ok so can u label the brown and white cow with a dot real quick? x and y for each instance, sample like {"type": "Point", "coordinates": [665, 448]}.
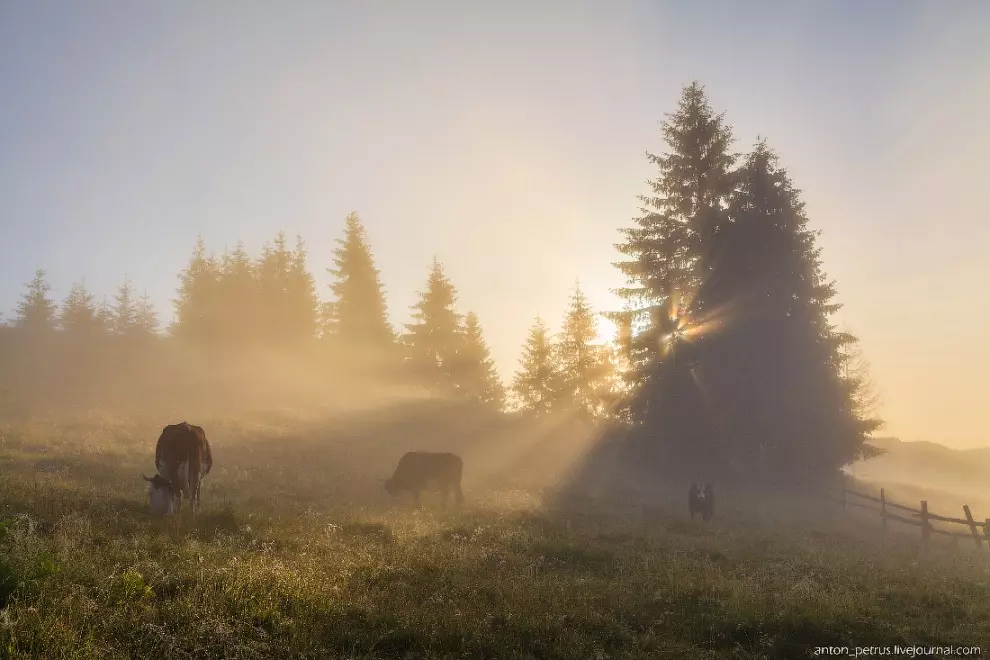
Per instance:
{"type": "Point", "coordinates": [183, 458]}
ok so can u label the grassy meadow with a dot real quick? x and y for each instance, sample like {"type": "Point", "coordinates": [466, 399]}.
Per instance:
{"type": "Point", "coordinates": [298, 553]}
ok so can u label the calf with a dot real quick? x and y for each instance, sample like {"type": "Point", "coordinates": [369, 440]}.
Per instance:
{"type": "Point", "coordinates": [183, 458]}
{"type": "Point", "coordinates": [417, 470]}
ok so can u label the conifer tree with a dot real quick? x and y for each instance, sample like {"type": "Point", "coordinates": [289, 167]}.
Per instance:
{"type": "Point", "coordinates": [668, 255]}
{"type": "Point", "coordinates": [302, 304]}
{"type": "Point", "coordinates": [273, 275]}
{"type": "Point", "coordinates": [476, 377]}
{"type": "Point", "coordinates": [434, 339]}
{"type": "Point", "coordinates": [537, 383]}
{"type": "Point", "coordinates": [197, 304]}
{"type": "Point", "coordinates": [145, 317]}
{"type": "Point", "coordinates": [358, 315]}
{"type": "Point", "coordinates": [79, 316]}
{"type": "Point", "coordinates": [773, 369]}
{"type": "Point", "coordinates": [36, 312]}
{"type": "Point", "coordinates": [238, 296]}
{"type": "Point", "coordinates": [583, 364]}
{"type": "Point", "coordinates": [124, 309]}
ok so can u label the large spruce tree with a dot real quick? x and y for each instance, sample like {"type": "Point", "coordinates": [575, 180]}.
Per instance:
{"type": "Point", "coordinates": [772, 366]}
{"type": "Point", "coordinates": [435, 338]}
{"type": "Point", "coordinates": [668, 255]}
{"type": "Point", "coordinates": [358, 315]}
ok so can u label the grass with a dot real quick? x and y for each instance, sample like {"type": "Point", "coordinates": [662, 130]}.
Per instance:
{"type": "Point", "coordinates": [298, 554]}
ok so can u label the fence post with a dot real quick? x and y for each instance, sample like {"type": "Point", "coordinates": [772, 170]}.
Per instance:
{"type": "Point", "coordinates": [925, 528]}
{"type": "Point", "coordinates": [883, 509]}
{"type": "Point", "coordinates": [972, 526]}
{"type": "Point", "coordinates": [845, 500]}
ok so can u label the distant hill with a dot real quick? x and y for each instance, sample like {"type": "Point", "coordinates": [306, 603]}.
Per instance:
{"type": "Point", "coordinates": [965, 472]}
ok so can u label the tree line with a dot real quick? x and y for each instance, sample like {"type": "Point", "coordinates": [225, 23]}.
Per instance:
{"type": "Point", "coordinates": [727, 361]}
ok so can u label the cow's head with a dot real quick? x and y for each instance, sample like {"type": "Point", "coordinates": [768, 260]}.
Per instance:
{"type": "Point", "coordinates": [161, 495]}
{"type": "Point", "coordinates": [390, 487]}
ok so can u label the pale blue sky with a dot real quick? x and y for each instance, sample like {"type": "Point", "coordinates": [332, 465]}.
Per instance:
{"type": "Point", "coordinates": [508, 140]}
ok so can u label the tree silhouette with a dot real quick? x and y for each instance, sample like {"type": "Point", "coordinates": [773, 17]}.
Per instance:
{"type": "Point", "coordinates": [584, 365]}
{"type": "Point", "coordinates": [238, 297]}
{"type": "Point", "coordinates": [434, 338]}
{"type": "Point", "coordinates": [196, 304]}
{"type": "Point", "coordinates": [538, 381]}
{"type": "Point", "coordinates": [36, 312]}
{"type": "Point", "coordinates": [772, 368]}
{"type": "Point", "coordinates": [476, 377]}
{"type": "Point", "coordinates": [80, 317]}
{"type": "Point", "coordinates": [668, 256]}
{"type": "Point", "coordinates": [145, 317]}
{"type": "Point", "coordinates": [124, 313]}
{"type": "Point", "coordinates": [358, 315]}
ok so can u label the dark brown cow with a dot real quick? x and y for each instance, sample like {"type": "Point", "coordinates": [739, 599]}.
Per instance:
{"type": "Point", "coordinates": [183, 458]}
{"type": "Point", "coordinates": [419, 470]}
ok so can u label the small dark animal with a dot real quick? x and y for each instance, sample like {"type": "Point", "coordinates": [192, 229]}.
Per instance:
{"type": "Point", "coordinates": [696, 502]}
{"type": "Point", "coordinates": [183, 458]}
{"type": "Point", "coordinates": [418, 470]}
{"type": "Point", "coordinates": [709, 502]}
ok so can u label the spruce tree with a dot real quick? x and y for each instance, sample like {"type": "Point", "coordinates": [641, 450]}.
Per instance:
{"type": "Point", "coordinates": [538, 382]}
{"type": "Point", "coordinates": [36, 312]}
{"type": "Point", "coordinates": [302, 304]}
{"type": "Point", "coordinates": [668, 255]}
{"type": "Point", "coordinates": [583, 363]}
{"type": "Point", "coordinates": [145, 317]}
{"type": "Point", "coordinates": [238, 294]}
{"type": "Point", "coordinates": [476, 377]}
{"type": "Point", "coordinates": [79, 316]}
{"type": "Point", "coordinates": [772, 368]}
{"type": "Point", "coordinates": [124, 310]}
{"type": "Point", "coordinates": [273, 270]}
{"type": "Point", "coordinates": [434, 339]}
{"type": "Point", "coordinates": [358, 315]}
{"type": "Point", "coordinates": [196, 307]}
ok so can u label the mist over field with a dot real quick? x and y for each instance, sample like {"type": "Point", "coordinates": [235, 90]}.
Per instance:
{"type": "Point", "coordinates": [334, 331]}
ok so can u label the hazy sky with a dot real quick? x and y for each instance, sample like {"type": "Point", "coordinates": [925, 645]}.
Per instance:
{"type": "Point", "coordinates": [507, 140]}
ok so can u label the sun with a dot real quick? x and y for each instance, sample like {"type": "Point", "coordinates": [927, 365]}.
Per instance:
{"type": "Point", "coordinates": [607, 331]}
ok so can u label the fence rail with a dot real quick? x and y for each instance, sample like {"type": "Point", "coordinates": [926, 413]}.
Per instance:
{"type": "Point", "coordinates": [920, 517]}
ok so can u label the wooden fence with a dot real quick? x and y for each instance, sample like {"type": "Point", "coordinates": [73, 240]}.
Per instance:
{"type": "Point", "coordinates": [919, 517]}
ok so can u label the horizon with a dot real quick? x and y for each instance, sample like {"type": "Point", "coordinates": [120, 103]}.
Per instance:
{"type": "Point", "coordinates": [128, 131]}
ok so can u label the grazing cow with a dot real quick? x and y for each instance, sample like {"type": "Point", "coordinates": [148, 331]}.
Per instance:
{"type": "Point", "coordinates": [183, 458]}
{"type": "Point", "coordinates": [417, 470]}
{"type": "Point", "coordinates": [696, 502]}
{"type": "Point", "coordinates": [709, 502]}
{"type": "Point", "coordinates": [161, 495]}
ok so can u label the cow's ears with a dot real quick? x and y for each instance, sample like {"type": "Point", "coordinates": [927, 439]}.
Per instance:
{"type": "Point", "coordinates": [145, 478]}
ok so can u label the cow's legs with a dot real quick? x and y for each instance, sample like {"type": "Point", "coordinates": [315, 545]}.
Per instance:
{"type": "Point", "coordinates": [415, 497]}
{"type": "Point", "coordinates": [458, 494]}
{"type": "Point", "coordinates": [443, 497]}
